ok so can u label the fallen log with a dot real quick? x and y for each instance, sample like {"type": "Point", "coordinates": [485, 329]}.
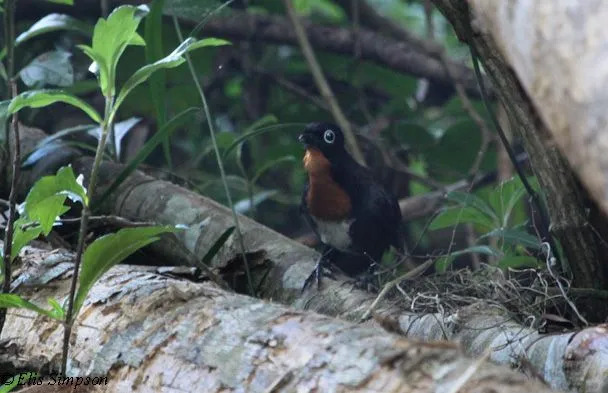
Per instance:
{"type": "Point", "coordinates": [287, 263]}
{"type": "Point", "coordinates": [147, 332]}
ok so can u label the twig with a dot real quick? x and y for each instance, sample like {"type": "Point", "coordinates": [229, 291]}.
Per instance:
{"type": "Point", "coordinates": [550, 260]}
{"type": "Point", "coordinates": [9, 35]}
{"type": "Point", "coordinates": [322, 84]}
{"type": "Point", "coordinates": [389, 285]}
{"type": "Point", "coordinates": [218, 157]}
{"type": "Point", "coordinates": [84, 222]}
{"type": "Point", "coordinates": [108, 220]}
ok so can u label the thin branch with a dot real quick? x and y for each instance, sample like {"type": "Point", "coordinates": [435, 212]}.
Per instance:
{"type": "Point", "coordinates": [9, 25]}
{"type": "Point", "coordinates": [322, 84]}
{"type": "Point", "coordinates": [218, 157]}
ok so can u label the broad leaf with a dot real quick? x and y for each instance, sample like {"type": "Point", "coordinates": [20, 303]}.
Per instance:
{"type": "Point", "coordinates": [24, 232]}
{"type": "Point", "coordinates": [50, 68]}
{"type": "Point", "coordinates": [158, 81]}
{"type": "Point", "coordinates": [54, 22]}
{"type": "Point", "coordinates": [470, 199]}
{"type": "Point", "coordinates": [460, 215]}
{"type": "Point", "coordinates": [64, 183]}
{"type": "Point", "coordinates": [41, 98]}
{"type": "Point", "coordinates": [109, 250]}
{"type": "Point", "coordinates": [45, 200]}
{"type": "Point", "coordinates": [8, 300]}
{"type": "Point", "coordinates": [172, 60]}
{"type": "Point", "coordinates": [110, 38]}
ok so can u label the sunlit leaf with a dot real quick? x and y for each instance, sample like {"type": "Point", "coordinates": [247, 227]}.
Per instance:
{"type": "Point", "coordinates": [107, 251]}
{"type": "Point", "coordinates": [111, 36]}
{"type": "Point", "coordinates": [41, 98]}
{"type": "Point", "coordinates": [50, 68]}
{"type": "Point", "coordinates": [172, 60]}
{"type": "Point", "coordinates": [24, 231]}
{"type": "Point", "coordinates": [9, 300]}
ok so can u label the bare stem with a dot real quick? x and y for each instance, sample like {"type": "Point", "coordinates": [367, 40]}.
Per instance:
{"type": "Point", "coordinates": [9, 34]}
{"type": "Point", "coordinates": [218, 157]}
{"type": "Point", "coordinates": [322, 84]}
{"type": "Point", "coordinates": [84, 221]}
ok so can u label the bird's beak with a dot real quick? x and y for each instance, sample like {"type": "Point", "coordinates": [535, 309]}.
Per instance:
{"type": "Point", "coordinates": [302, 138]}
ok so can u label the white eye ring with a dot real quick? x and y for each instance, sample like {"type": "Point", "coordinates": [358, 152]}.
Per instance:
{"type": "Point", "coordinates": [329, 136]}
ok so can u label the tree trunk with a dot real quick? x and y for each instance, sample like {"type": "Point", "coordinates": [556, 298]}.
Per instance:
{"type": "Point", "coordinates": [567, 202]}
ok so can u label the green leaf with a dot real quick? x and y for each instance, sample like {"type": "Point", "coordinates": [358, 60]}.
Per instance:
{"type": "Point", "coordinates": [63, 183]}
{"type": "Point", "coordinates": [470, 199]}
{"type": "Point", "coordinates": [54, 22]}
{"type": "Point", "coordinates": [65, 2]}
{"type": "Point", "coordinates": [8, 300]}
{"type": "Point", "coordinates": [3, 118]}
{"type": "Point", "coordinates": [459, 215]}
{"type": "Point", "coordinates": [50, 68]}
{"type": "Point", "coordinates": [24, 232]}
{"type": "Point", "coordinates": [45, 200]}
{"type": "Point", "coordinates": [147, 149]}
{"type": "Point", "coordinates": [213, 250]}
{"type": "Point", "coordinates": [505, 197]}
{"type": "Point", "coordinates": [516, 262]}
{"type": "Point", "coordinates": [515, 237]}
{"type": "Point", "coordinates": [110, 38]}
{"type": "Point", "coordinates": [158, 81]}
{"type": "Point", "coordinates": [109, 250]}
{"type": "Point", "coordinates": [172, 60]}
{"type": "Point", "coordinates": [57, 309]}
{"type": "Point", "coordinates": [41, 98]}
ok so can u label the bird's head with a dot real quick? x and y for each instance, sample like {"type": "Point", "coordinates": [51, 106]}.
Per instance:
{"type": "Point", "coordinates": [327, 138]}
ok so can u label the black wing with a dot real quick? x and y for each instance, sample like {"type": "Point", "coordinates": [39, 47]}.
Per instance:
{"type": "Point", "coordinates": [378, 222]}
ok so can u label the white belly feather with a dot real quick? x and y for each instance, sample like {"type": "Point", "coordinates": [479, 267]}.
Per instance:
{"type": "Point", "coordinates": [335, 233]}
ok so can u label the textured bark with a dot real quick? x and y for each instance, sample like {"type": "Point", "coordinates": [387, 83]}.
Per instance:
{"type": "Point", "coordinates": [287, 264]}
{"type": "Point", "coordinates": [150, 333]}
{"type": "Point", "coordinates": [567, 203]}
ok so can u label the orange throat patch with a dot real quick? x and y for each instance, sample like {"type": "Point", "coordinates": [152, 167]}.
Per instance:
{"type": "Point", "coordinates": [325, 199]}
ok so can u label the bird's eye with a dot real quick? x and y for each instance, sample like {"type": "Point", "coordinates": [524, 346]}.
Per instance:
{"type": "Point", "coordinates": [329, 136]}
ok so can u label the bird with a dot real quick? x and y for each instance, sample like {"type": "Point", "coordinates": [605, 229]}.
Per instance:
{"type": "Point", "coordinates": [354, 216]}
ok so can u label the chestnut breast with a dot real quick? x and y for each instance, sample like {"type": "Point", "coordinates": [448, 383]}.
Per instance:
{"type": "Point", "coordinates": [325, 199]}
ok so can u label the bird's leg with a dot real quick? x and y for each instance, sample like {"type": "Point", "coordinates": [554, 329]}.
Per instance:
{"type": "Point", "coordinates": [318, 271]}
{"type": "Point", "coordinates": [365, 280]}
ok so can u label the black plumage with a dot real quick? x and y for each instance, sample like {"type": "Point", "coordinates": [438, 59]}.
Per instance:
{"type": "Point", "coordinates": [353, 215]}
